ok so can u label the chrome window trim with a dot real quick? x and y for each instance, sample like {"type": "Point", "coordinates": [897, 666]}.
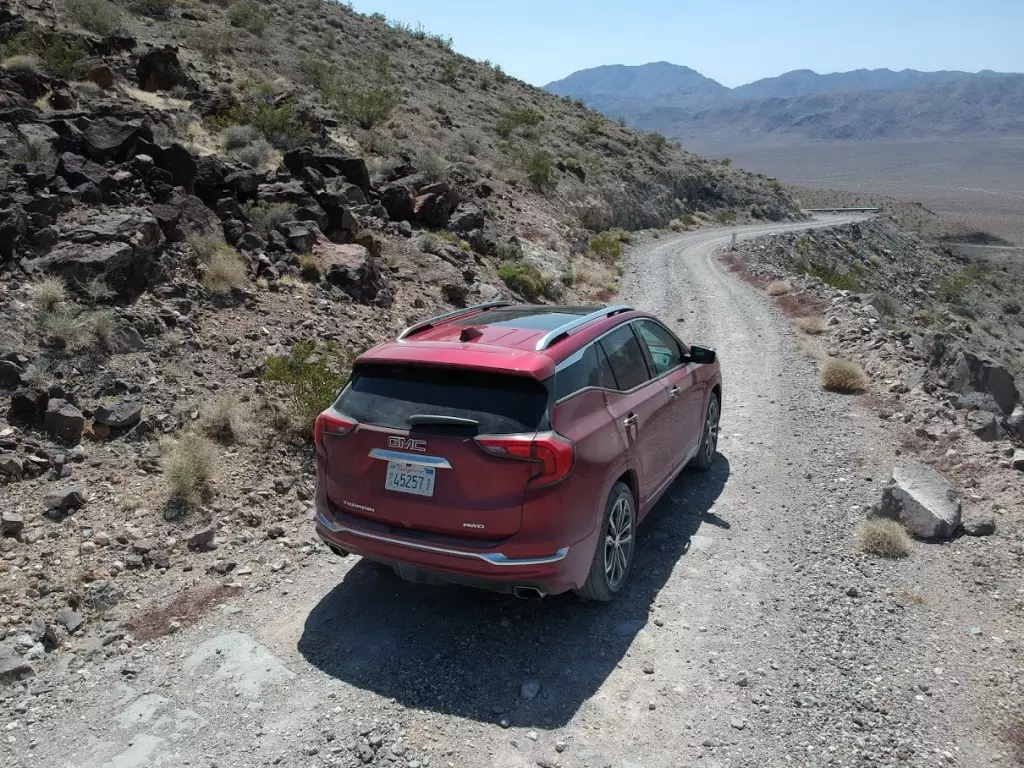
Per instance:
{"type": "Point", "coordinates": [410, 458]}
{"type": "Point", "coordinates": [494, 558]}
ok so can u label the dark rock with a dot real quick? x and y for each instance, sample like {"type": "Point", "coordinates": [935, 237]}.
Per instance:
{"type": "Point", "coordinates": [11, 523]}
{"type": "Point", "coordinates": [102, 595]}
{"type": "Point", "coordinates": [13, 666]}
{"type": "Point", "coordinates": [222, 567]}
{"type": "Point", "coordinates": [328, 164]}
{"type": "Point", "coordinates": [310, 210]}
{"type": "Point", "coordinates": [125, 338]}
{"type": "Point", "coordinates": [353, 269]}
{"type": "Point", "coordinates": [455, 294]}
{"type": "Point", "coordinates": [121, 415]}
{"type": "Point", "coordinates": [116, 41]}
{"type": "Point", "coordinates": [64, 421]}
{"type": "Point", "coordinates": [466, 218]}
{"type": "Point", "coordinates": [250, 241]}
{"type": "Point", "coordinates": [282, 192]}
{"type": "Point", "coordinates": [88, 193]}
{"type": "Point", "coordinates": [984, 425]}
{"type": "Point", "coordinates": [177, 161]}
{"type": "Point", "coordinates": [160, 70]}
{"type": "Point", "coordinates": [480, 243]}
{"type": "Point", "coordinates": [13, 225]}
{"type": "Point", "coordinates": [435, 204]}
{"type": "Point", "coordinates": [184, 215]}
{"type": "Point", "coordinates": [981, 526]}
{"type": "Point", "coordinates": [965, 371]}
{"type": "Point", "coordinates": [28, 405]}
{"type": "Point", "coordinates": [398, 201]}
{"type": "Point", "coordinates": [301, 235]}
{"type": "Point", "coordinates": [10, 374]}
{"type": "Point", "coordinates": [102, 75]}
{"type": "Point", "coordinates": [1015, 423]}
{"type": "Point", "coordinates": [244, 183]}
{"type": "Point", "coordinates": [108, 139]}
{"type": "Point", "coordinates": [64, 499]}
{"type": "Point", "coordinates": [202, 539]}
{"type": "Point", "coordinates": [313, 177]}
{"type": "Point", "coordinates": [77, 170]}
{"type": "Point", "coordinates": [275, 531]}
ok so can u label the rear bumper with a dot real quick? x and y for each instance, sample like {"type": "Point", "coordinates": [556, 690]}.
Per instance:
{"type": "Point", "coordinates": [556, 570]}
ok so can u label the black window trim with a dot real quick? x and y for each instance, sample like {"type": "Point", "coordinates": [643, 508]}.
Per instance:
{"type": "Point", "coordinates": [578, 355]}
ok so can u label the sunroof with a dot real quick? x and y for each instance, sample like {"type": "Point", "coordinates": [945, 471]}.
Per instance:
{"type": "Point", "coordinates": [537, 318]}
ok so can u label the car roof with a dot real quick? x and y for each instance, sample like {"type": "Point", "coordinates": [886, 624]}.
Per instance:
{"type": "Point", "coordinates": [500, 337]}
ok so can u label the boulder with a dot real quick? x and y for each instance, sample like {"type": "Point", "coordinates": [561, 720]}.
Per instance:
{"type": "Point", "coordinates": [119, 246]}
{"type": "Point", "coordinates": [435, 204]}
{"type": "Point", "coordinates": [11, 524]}
{"type": "Point", "coordinates": [923, 500]}
{"type": "Point", "coordinates": [28, 405]}
{"type": "Point", "coordinates": [351, 268]}
{"type": "Point", "coordinates": [108, 139]}
{"type": "Point", "coordinates": [398, 201]}
{"type": "Point", "coordinates": [10, 374]}
{"type": "Point", "coordinates": [455, 293]}
{"type": "Point", "coordinates": [102, 595]}
{"type": "Point", "coordinates": [11, 466]}
{"type": "Point", "coordinates": [466, 218]}
{"type": "Point", "coordinates": [102, 75]}
{"type": "Point", "coordinates": [125, 338]}
{"type": "Point", "coordinates": [1015, 423]}
{"type": "Point", "coordinates": [183, 215]}
{"type": "Point", "coordinates": [981, 526]}
{"type": "Point", "coordinates": [301, 235]}
{"type": "Point", "coordinates": [120, 415]}
{"type": "Point", "coordinates": [77, 170]}
{"type": "Point", "coordinates": [1017, 461]}
{"type": "Point", "coordinates": [160, 70]}
{"type": "Point", "coordinates": [64, 499]}
{"type": "Point", "coordinates": [984, 425]}
{"type": "Point", "coordinates": [64, 421]}
{"type": "Point", "coordinates": [178, 162]}
{"type": "Point", "coordinates": [965, 371]}
{"type": "Point", "coordinates": [329, 165]}
{"type": "Point", "coordinates": [282, 192]}
{"type": "Point", "coordinates": [13, 225]}
{"type": "Point", "coordinates": [13, 666]}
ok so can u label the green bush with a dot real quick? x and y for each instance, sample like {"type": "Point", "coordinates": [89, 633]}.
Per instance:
{"type": "Point", "coordinates": [538, 166]}
{"type": "Point", "coordinates": [953, 288]}
{"type": "Point", "coordinates": [156, 8]}
{"type": "Point", "coordinates": [254, 155]}
{"type": "Point", "coordinates": [525, 279]}
{"type": "Point", "coordinates": [688, 220]}
{"type": "Point", "coordinates": [430, 165]}
{"type": "Point", "coordinates": [655, 141]}
{"type": "Point", "coordinates": [238, 136]}
{"type": "Point", "coordinates": [518, 118]}
{"type": "Point", "coordinates": [309, 379]}
{"type": "Point", "coordinates": [606, 246]}
{"type": "Point", "coordinates": [266, 217]}
{"type": "Point", "coordinates": [368, 106]}
{"type": "Point", "coordinates": [99, 16]}
{"type": "Point", "coordinates": [248, 15]}
{"type": "Point", "coordinates": [835, 276]}
{"type": "Point", "coordinates": [508, 250]}
{"type": "Point", "coordinates": [725, 217]}
{"type": "Point", "coordinates": [277, 124]}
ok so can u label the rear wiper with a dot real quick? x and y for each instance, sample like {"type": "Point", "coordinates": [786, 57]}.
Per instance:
{"type": "Point", "coordinates": [429, 419]}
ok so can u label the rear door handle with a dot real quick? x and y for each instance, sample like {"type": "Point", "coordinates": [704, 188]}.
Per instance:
{"type": "Point", "coordinates": [673, 393]}
{"type": "Point", "coordinates": [630, 421]}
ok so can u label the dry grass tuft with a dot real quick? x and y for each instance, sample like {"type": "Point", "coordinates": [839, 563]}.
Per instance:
{"type": "Point", "coordinates": [812, 326]}
{"type": "Point", "coordinates": [883, 537]}
{"type": "Point", "coordinates": [225, 270]}
{"type": "Point", "coordinates": [189, 463]}
{"type": "Point", "coordinates": [47, 293]}
{"type": "Point", "coordinates": [311, 268]}
{"type": "Point", "coordinates": [779, 288]}
{"type": "Point", "coordinates": [843, 376]}
{"type": "Point", "coordinates": [62, 326]}
{"type": "Point", "coordinates": [224, 419]}
{"type": "Point", "coordinates": [102, 323]}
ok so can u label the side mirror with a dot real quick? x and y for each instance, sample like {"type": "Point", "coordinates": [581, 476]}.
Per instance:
{"type": "Point", "coordinates": [701, 355]}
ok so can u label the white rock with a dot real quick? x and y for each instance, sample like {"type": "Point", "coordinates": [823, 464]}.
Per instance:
{"type": "Point", "coordinates": [923, 500]}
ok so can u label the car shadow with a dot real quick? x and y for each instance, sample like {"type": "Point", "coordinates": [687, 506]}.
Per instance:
{"type": "Point", "coordinates": [464, 652]}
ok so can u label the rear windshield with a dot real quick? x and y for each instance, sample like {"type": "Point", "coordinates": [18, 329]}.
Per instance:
{"type": "Point", "coordinates": [387, 395]}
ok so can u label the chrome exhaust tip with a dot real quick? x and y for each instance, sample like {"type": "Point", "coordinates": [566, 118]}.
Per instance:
{"type": "Point", "coordinates": [528, 593]}
{"type": "Point", "coordinates": [338, 550]}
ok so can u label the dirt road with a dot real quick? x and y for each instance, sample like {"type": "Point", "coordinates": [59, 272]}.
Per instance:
{"type": "Point", "coordinates": [753, 633]}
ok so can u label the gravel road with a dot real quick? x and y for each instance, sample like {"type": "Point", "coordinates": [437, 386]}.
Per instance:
{"type": "Point", "coordinates": [753, 632]}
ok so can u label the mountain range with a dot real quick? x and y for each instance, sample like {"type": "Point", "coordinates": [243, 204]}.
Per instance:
{"type": "Point", "coordinates": [862, 105]}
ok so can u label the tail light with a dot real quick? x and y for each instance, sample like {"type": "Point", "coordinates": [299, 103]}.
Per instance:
{"type": "Point", "coordinates": [330, 422]}
{"type": "Point", "coordinates": [553, 455]}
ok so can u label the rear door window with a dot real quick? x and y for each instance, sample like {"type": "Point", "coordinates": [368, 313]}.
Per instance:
{"type": "Point", "coordinates": [663, 346]}
{"type": "Point", "coordinates": [587, 368]}
{"type": "Point", "coordinates": [626, 358]}
{"type": "Point", "coordinates": [387, 395]}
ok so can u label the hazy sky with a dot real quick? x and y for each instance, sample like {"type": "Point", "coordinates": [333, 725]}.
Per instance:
{"type": "Point", "coordinates": [732, 41]}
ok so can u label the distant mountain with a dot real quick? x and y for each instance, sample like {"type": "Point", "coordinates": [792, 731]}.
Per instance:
{"type": "Point", "coordinates": [862, 105]}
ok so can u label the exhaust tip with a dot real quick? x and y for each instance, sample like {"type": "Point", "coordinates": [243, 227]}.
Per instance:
{"type": "Point", "coordinates": [338, 550]}
{"type": "Point", "coordinates": [528, 593]}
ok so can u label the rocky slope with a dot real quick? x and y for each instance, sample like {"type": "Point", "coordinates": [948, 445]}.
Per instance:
{"type": "Point", "coordinates": [205, 210]}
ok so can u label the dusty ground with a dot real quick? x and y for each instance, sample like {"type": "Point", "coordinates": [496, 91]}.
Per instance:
{"type": "Point", "coordinates": [753, 632]}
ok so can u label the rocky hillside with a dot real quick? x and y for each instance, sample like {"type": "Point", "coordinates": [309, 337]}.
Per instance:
{"type": "Point", "coordinates": [205, 210]}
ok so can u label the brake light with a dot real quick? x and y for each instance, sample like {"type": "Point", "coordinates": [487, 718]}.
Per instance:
{"type": "Point", "coordinates": [330, 422]}
{"type": "Point", "coordinates": [553, 455]}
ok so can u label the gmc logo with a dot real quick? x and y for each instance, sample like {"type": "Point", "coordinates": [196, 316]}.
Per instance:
{"type": "Point", "coordinates": [407, 444]}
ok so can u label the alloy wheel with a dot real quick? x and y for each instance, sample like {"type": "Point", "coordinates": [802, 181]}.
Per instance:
{"type": "Point", "coordinates": [711, 430]}
{"type": "Point", "coordinates": [618, 542]}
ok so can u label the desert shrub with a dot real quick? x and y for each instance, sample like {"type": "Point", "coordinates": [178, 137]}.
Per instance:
{"type": "Point", "coordinates": [376, 143]}
{"type": "Point", "coordinates": [310, 267]}
{"type": "Point", "coordinates": [248, 15]}
{"type": "Point", "coordinates": [883, 537]}
{"type": "Point", "coordinates": [1011, 307]}
{"type": "Point", "coordinates": [256, 108]}
{"type": "Point", "coordinates": [224, 419]}
{"type": "Point", "coordinates": [953, 288]}
{"type": "Point", "coordinates": [101, 325]}
{"type": "Point", "coordinates": [99, 16]}
{"type": "Point", "coordinates": [62, 327]}
{"type": "Point", "coordinates": [725, 217]}
{"type": "Point", "coordinates": [655, 141]}
{"type": "Point", "coordinates": [238, 136]}
{"type": "Point", "coordinates": [190, 462]}
{"type": "Point", "coordinates": [843, 376]}
{"type": "Point", "coordinates": [450, 71]}
{"type": "Point", "coordinates": [429, 242]}
{"type": "Point", "coordinates": [34, 151]}
{"type": "Point", "coordinates": [812, 326]}
{"type": "Point", "coordinates": [22, 62]}
{"type": "Point", "coordinates": [606, 246]}
{"type": "Point", "coordinates": [538, 167]}
{"type": "Point", "coordinates": [47, 293]}
{"type": "Point", "coordinates": [266, 217]}
{"type": "Point", "coordinates": [310, 380]}
{"type": "Point", "coordinates": [225, 271]}
{"type": "Point", "coordinates": [688, 219]}
{"type": "Point", "coordinates": [97, 291]}
{"type": "Point", "coordinates": [593, 123]}
{"type": "Point", "coordinates": [508, 250]}
{"type": "Point", "coordinates": [525, 279]}
{"type": "Point", "coordinates": [431, 165]}
{"type": "Point", "coordinates": [779, 288]}
{"type": "Point", "coordinates": [367, 106]}
{"type": "Point", "coordinates": [211, 44]}
{"type": "Point", "coordinates": [526, 117]}
{"type": "Point", "coordinates": [254, 155]}
{"type": "Point", "coordinates": [155, 8]}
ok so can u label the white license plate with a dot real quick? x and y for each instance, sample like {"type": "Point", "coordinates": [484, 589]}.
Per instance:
{"type": "Point", "coordinates": [406, 478]}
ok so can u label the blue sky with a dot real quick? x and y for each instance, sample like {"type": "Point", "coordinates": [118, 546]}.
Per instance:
{"type": "Point", "coordinates": [732, 41]}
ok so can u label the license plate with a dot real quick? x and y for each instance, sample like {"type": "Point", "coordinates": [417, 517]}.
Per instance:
{"type": "Point", "coordinates": [406, 478]}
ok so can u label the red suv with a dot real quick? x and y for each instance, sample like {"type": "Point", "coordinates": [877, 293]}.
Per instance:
{"type": "Point", "coordinates": [514, 448]}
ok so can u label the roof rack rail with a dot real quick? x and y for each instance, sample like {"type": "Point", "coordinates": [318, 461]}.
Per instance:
{"type": "Point", "coordinates": [432, 321]}
{"type": "Point", "coordinates": [563, 330]}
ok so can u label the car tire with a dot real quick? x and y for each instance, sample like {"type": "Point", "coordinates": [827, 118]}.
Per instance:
{"type": "Point", "coordinates": [709, 436]}
{"type": "Point", "coordinates": [616, 545]}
